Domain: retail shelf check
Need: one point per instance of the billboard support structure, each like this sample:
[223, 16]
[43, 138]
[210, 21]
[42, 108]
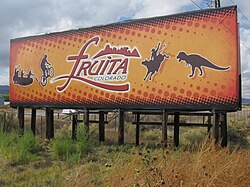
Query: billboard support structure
[224, 130]
[21, 120]
[33, 121]
[74, 127]
[176, 128]
[101, 127]
[164, 127]
[121, 127]
[216, 124]
[137, 130]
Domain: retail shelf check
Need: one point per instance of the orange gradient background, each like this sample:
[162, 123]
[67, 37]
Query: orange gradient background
[212, 34]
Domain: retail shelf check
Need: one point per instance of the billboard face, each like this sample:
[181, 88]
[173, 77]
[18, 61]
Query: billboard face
[187, 62]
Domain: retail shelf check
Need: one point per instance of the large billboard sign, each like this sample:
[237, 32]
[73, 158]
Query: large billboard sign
[187, 61]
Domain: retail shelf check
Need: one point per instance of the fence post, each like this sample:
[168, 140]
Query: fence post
[4, 123]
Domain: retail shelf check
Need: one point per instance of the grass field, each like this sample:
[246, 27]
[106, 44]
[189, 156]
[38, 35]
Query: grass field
[29, 161]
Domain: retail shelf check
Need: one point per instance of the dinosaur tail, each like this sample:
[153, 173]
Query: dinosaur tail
[220, 68]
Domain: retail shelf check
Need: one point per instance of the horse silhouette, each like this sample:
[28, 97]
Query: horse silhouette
[153, 65]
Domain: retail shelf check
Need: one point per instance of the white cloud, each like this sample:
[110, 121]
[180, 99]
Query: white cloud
[29, 17]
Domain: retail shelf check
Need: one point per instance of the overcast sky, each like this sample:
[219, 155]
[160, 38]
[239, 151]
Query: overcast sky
[20, 18]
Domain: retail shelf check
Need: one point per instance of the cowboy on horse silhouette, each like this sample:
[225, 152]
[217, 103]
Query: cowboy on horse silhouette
[153, 65]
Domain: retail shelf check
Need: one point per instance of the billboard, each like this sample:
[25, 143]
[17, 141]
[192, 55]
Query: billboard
[186, 61]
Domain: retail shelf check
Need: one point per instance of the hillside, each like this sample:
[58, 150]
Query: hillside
[4, 90]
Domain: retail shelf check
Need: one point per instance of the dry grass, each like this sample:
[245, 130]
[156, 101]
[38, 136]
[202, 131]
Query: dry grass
[147, 167]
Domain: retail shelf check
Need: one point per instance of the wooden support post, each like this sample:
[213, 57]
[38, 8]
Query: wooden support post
[48, 124]
[164, 127]
[33, 121]
[101, 127]
[21, 120]
[176, 128]
[209, 122]
[52, 123]
[137, 130]
[121, 127]
[216, 127]
[74, 127]
[86, 121]
[224, 130]
[4, 123]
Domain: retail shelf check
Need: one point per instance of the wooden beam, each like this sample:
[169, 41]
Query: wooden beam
[52, 123]
[164, 127]
[74, 127]
[137, 130]
[176, 128]
[121, 127]
[209, 122]
[172, 124]
[101, 127]
[216, 127]
[33, 121]
[49, 114]
[86, 121]
[224, 130]
[5, 128]
[21, 119]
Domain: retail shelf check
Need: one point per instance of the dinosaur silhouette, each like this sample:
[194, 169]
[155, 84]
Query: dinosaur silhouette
[197, 61]
[153, 65]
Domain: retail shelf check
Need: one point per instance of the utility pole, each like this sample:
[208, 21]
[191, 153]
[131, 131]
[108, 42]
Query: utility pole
[217, 3]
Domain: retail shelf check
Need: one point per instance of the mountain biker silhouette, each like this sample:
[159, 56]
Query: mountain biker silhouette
[45, 66]
[47, 69]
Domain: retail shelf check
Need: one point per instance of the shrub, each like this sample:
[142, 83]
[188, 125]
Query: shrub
[19, 150]
[72, 151]
[238, 134]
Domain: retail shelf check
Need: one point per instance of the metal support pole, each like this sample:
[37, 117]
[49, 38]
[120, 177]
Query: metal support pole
[137, 130]
[176, 128]
[164, 127]
[21, 120]
[121, 127]
[101, 127]
[217, 3]
[33, 121]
